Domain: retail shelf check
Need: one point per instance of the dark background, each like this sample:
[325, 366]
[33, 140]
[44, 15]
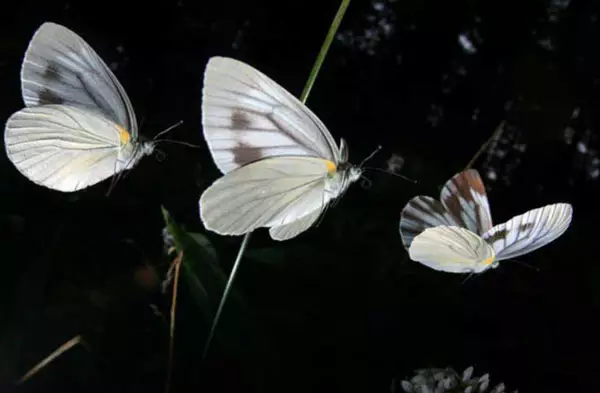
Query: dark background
[340, 308]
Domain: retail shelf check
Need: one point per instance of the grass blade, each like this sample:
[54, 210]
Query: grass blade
[177, 264]
[59, 351]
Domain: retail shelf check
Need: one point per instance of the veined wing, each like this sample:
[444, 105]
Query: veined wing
[61, 68]
[63, 148]
[451, 249]
[271, 192]
[293, 229]
[420, 213]
[464, 196]
[247, 116]
[530, 231]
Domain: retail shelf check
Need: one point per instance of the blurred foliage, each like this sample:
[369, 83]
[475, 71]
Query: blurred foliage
[447, 380]
[199, 265]
[238, 334]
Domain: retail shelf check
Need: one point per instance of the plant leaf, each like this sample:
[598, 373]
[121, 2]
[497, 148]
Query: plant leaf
[199, 265]
[205, 244]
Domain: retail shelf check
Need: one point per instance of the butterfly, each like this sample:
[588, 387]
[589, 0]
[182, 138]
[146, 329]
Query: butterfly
[281, 165]
[456, 234]
[78, 127]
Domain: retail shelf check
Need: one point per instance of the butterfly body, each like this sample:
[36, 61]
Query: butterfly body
[131, 153]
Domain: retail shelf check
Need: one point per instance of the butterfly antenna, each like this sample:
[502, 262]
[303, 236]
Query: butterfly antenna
[178, 142]
[180, 122]
[537, 269]
[391, 173]
[367, 158]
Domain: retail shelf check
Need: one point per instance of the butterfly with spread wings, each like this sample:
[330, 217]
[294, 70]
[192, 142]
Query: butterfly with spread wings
[456, 234]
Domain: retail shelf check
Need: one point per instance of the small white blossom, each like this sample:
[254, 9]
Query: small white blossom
[447, 380]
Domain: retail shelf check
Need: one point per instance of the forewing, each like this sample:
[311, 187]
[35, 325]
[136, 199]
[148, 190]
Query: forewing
[288, 231]
[270, 192]
[61, 68]
[420, 213]
[464, 196]
[62, 148]
[451, 249]
[530, 231]
[247, 116]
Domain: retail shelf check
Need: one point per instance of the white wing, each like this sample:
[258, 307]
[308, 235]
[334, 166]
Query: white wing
[63, 148]
[451, 249]
[271, 192]
[420, 213]
[61, 68]
[463, 203]
[288, 231]
[464, 196]
[247, 116]
[530, 231]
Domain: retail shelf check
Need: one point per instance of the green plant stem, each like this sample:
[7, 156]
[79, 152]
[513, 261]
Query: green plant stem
[493, 139]
[228, 286]
[305, 92]
[324, 49]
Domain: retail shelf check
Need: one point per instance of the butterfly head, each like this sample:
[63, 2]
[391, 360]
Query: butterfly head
[351, 173]
[347, 172]
[340, 178]
[354, 173]
[147, 148]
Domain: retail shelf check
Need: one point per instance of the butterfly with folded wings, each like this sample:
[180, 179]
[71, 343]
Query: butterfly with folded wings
[281, 166]
[456, 234]
[78, 126]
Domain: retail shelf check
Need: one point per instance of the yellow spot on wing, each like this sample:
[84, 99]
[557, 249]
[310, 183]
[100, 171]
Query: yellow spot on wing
[331, 167]
[124, 136]
[489, 260]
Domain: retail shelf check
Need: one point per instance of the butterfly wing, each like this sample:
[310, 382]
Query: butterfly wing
[420, 213]
[530, 231]
[267, 193]
[293, 229]
[463, 203]
[64, 148]
[61, 68]
[464, 196]
[451, 249]
[247, 116]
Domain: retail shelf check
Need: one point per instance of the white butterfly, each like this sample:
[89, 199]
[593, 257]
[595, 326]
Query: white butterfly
[457, 235]
[281, 164]
[78, 127]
